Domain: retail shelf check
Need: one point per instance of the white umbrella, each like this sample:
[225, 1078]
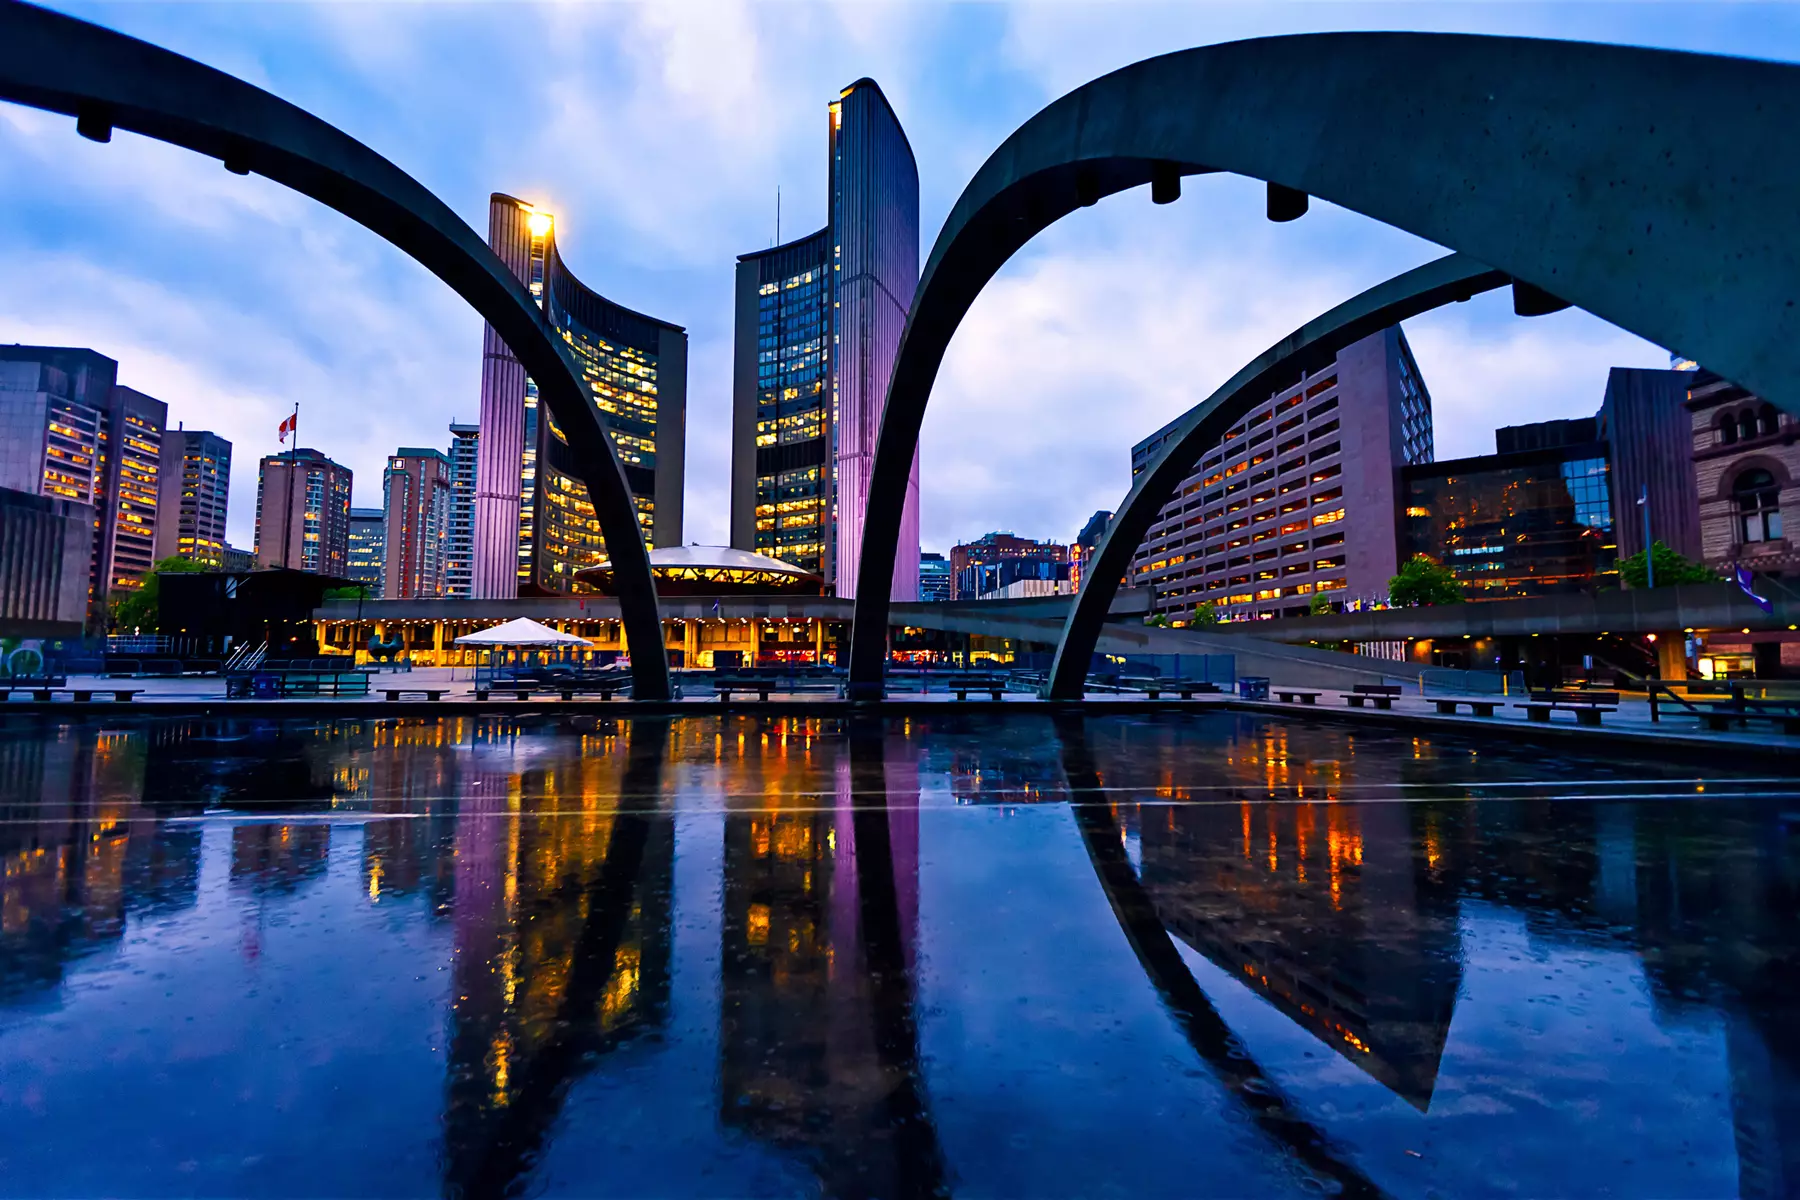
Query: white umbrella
[521, 631]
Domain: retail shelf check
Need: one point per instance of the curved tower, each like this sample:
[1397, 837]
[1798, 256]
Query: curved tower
[534, 524]
[819, 321]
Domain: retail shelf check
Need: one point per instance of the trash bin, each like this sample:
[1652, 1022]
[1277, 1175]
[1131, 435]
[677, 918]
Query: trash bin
[1253, 687]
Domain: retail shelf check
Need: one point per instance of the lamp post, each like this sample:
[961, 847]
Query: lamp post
[1649, 558]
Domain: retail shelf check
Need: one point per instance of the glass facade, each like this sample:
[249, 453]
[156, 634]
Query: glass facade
[368, 547]
[459, 565]
[818, 326]
[534, 525]
[1515, 525]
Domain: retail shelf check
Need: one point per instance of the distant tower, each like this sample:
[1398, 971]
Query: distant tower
[818, 326]
[416, 500]
[459, 567]
[193, 493]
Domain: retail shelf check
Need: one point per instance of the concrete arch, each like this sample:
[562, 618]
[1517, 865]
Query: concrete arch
[1652, 188]
[109, 81]
[1312, 346]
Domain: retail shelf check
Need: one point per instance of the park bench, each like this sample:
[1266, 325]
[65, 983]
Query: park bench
[1447, 705]
[1586, 705]
[1381, 695]
[1187, 689]
[1723, 714]
[39, 686]
[606, 689]
[1292, 696]
[44, 695]
[962, 685]
[521, 691]
[430, 693]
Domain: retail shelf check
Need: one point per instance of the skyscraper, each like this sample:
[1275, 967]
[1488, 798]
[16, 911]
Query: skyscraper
[818, 325]
[1299, 499]
[193, 492]
[534, 523]
[303, 513]
[68, 430]
[934, 577]
[459, 565]
[367, 547]
[415, 491]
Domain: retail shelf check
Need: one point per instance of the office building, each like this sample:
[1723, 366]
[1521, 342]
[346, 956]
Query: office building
[990, 564]
[303, 513]
[1746, 476]
[1533, 519]
[818, 324]
[1298, 499]
[415, 491]
[367, 547]
[46, 544]
[534, 523]
[1644, 419]
[1081, 551]
[459, 563]
[68, 430]
[193, 493]
[934, 577]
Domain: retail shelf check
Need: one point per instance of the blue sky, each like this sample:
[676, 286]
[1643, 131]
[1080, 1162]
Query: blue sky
[659, 135]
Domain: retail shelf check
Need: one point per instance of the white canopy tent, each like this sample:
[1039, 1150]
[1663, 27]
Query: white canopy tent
[521, 631]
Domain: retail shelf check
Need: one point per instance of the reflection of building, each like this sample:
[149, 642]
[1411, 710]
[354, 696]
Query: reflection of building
[994, 563]
[366, 547]
[459, 566]
[194, 491]
[818, 325]
[416, 499]
[1330, 912]
[46, 543]
[1524, 522]
[1298, 499]
[1746, 468]
[303, 513]
[534, 523]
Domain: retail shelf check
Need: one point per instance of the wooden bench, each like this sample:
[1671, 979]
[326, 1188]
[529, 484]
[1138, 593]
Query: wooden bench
[1381, 695]
[1290, 696]
[606, 688]
[993, 685]
[1587, 706]
[1726, 713]
[1447, 705]
[430, 693]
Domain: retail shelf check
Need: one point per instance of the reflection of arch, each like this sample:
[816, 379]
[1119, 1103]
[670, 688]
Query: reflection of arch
[1314, 344]
[1205, 1029]
[109, 81]
[1594, 172]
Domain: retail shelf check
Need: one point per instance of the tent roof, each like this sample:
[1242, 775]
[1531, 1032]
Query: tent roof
[521, 631]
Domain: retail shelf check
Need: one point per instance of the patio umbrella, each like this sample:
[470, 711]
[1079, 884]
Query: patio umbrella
[521, 631]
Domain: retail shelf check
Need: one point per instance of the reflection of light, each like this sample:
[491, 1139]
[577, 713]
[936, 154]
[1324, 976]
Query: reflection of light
[757, 930]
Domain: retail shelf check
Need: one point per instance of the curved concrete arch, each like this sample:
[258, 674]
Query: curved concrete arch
[1313, 345]
[1651, 188]
[109, 81]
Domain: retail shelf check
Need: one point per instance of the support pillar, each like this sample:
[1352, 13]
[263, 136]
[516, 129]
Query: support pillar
[1671, 655]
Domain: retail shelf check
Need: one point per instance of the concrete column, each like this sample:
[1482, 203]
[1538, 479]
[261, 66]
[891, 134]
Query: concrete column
[755, 651]
[690, 642]
[1671, 655]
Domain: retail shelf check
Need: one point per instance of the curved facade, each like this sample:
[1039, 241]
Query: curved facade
[819, 321]
[535, 526]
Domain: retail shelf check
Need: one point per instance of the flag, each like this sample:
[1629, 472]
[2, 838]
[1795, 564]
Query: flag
[1743, 582]
[715, 608]
[288, 426]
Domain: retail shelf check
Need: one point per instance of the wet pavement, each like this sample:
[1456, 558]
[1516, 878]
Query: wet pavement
[1199, 954]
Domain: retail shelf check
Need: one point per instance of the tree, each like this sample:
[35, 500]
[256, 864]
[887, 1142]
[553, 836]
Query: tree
[1424, 582]
[1318, 606]
[357, 592]
[1205, 613]
[138, 609]
[1671, 569]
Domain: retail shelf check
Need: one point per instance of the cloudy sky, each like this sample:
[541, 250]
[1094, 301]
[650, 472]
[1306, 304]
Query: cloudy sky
[659, 135]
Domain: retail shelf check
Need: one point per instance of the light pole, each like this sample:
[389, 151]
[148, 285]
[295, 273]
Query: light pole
[1649, 558]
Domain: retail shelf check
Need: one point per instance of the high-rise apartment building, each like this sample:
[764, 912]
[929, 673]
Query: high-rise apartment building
[68, 430]
[1082, 550]
[368, 547]
[193, 493]
[416, 497]
[459, 562]
[934, 577]
[1298, 500]
[303, 513]
[534, 523]
[818, 325]
[996, 561]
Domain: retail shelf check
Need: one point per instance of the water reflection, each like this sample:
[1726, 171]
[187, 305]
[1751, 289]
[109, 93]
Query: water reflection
[481, 921]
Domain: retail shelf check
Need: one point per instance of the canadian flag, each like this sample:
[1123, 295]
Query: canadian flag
[288, 426]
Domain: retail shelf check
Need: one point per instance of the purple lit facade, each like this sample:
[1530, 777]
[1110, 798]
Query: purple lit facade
[534, 525]
[819, 321]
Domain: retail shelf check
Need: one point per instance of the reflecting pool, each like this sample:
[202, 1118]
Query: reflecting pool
[1206, 954]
